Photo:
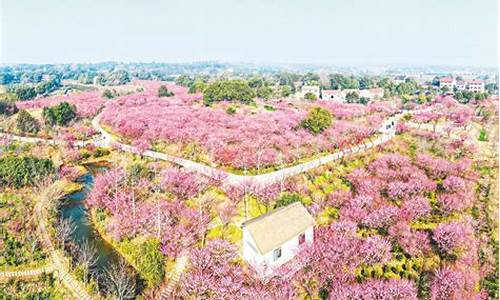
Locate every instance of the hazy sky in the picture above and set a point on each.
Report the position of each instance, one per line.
(453, 32)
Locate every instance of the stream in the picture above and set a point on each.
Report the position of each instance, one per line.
(74, 208)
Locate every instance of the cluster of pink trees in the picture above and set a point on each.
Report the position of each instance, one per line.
(152, 208)
(244, 140)
(87, 103)
(447, 110)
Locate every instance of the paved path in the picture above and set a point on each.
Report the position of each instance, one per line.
(5, 276)
(107, 139)
(235, 179)
(180, 265)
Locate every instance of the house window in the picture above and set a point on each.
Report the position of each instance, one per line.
(277, 254)
(302, 238)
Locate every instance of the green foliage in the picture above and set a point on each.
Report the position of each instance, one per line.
(117, 77)
(339, 81)
(352, 97)
(397, 268)
(228, 90)
(184, 80)
(287, 199)
(24, 92)
(108, 94)
(61, 114)
(26, 123)
(269, 107)
(317, 120)
(197, 87)
(264, 92)
(148, 259)
(164, 92)
(19, 171)
(29, 91)
(7, 108)
(310, 96)
(286, 91)
(231, 110)
(483, 135)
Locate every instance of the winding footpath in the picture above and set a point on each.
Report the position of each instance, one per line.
(108, 139)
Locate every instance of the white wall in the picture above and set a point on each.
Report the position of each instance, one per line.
(264, 264)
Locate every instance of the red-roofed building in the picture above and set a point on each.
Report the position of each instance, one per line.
(447, 82)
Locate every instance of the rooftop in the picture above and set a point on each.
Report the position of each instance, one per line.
(271, 230)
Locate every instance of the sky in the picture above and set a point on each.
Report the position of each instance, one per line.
(347, 32)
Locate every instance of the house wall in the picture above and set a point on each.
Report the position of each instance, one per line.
(264, 264)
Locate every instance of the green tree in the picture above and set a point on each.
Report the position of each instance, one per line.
(317, 120)
(352, 97)
(61, 114)
(26, 123)
(197, 87)
(164, 92)
(19, 171)
(310, 96)
(184, 80)
(108, 94)
(286, 91)
(264, 92)
(228, 90)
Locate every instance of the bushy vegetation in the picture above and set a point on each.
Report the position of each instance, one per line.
(19, 171)
(7, 108)
(26, 123)
(61, 114)
(228, 90)
(317, 120)
(310, 96)
(164, 92)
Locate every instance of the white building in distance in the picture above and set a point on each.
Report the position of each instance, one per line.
(273, 239)
(313, 89)
(339, 95)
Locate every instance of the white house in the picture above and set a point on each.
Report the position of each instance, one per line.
(460, 86)
(447, 82)
(373, 93)
(273, 239)
(475, 86)
(388, 126)
(333, 95)
(313, 89)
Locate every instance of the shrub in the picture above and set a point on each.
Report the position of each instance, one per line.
(483, 136)
(108, 94)
(269, 108)
(19, 171)
(61, 114)
(287, 199)
(317, 120)
(164, 92)
(7, 108)
(310, 96)
(26, 123)
(228, 90)
(231, 110)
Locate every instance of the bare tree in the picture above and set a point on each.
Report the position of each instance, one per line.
(64, 229)
(119, 282)
(87, 258)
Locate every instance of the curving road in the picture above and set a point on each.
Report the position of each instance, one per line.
(107, 139)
